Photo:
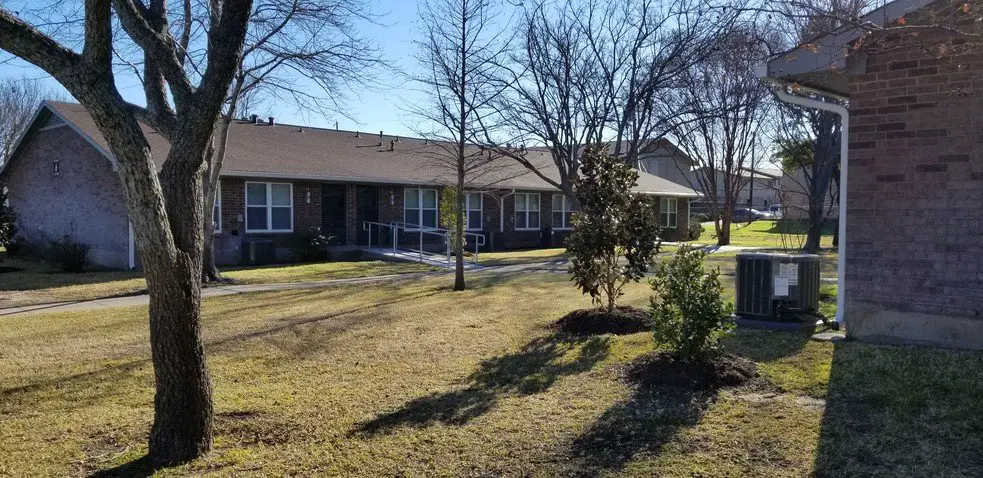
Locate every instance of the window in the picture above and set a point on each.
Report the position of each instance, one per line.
(269, 207)
(562, 211)
(217, 210)
(527, 210)
(473, 204)
(420, 207)
(667, 213)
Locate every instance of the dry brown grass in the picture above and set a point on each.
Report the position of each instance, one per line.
(412, 379)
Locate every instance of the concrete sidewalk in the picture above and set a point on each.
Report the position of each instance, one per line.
(223, 290)
(211, 291)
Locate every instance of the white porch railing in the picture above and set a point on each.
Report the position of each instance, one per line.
(410, 237)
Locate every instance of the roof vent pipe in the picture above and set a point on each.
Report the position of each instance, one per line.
(271, 121)
(336, 126)
(380, 137)
(254, 119)
(392, 145)
(358, 135)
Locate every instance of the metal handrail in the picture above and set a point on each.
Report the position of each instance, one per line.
(396, 227)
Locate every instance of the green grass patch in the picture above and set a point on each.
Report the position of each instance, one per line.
(770, 234)
(413, 379)
(526, 256)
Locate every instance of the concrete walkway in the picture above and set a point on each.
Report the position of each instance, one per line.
(211, 291)
(559, 266)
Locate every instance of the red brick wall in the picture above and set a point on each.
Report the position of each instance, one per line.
(83, 201)
(308, 215)
(914, 265)
(228, 242)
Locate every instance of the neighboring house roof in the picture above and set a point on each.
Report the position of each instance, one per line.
(304, 153)
(822, 63)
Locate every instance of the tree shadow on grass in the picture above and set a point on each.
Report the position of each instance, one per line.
(643, 423)
(532, 369)
(902, 411)
(766, 345)
(138, 468)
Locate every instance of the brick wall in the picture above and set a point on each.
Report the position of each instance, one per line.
(391, 200)
(914, 265)
(679, 233)
(84, 200)
(229, 242)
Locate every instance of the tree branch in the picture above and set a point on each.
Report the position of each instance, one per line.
(30, 44)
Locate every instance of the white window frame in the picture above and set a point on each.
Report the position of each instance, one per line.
(467, 210)
(566, 205)
(269, 206)
(515, 204)
(419, 219)
(218, 206)
(666, 213)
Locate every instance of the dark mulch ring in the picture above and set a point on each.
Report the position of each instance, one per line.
(10, 269)
(662, 368)
(624, 320)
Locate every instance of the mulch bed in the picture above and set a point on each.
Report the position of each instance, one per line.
(662, 368)
(623, 321)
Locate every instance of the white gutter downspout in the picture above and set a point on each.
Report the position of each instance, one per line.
(844, 148)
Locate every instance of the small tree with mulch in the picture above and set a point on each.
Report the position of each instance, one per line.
(615, 233)
(689, 317)
(688, 308)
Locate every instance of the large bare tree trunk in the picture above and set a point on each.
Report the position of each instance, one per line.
(165, 209)
(167, 213)
(182, 428)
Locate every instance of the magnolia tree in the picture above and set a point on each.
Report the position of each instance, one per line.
(615, 233)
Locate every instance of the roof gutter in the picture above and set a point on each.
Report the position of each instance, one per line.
(844, 150)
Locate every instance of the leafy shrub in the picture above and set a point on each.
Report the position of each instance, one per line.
(702, 217)
(71, 255)
(694, 231)
(311, 245)
(8, 221)
(16, 246)
(615, 233)
(688, 308)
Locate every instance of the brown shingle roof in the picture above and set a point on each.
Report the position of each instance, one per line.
(293, 152)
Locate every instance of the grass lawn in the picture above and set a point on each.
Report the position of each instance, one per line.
(521, 256)
(770, 234)
(415, 380)
(42, 283)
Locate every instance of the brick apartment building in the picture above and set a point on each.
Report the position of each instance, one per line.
(914, 207)
(281, 180)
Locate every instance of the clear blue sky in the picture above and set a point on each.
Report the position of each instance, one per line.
(372, 110)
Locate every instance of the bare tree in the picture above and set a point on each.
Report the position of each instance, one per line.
(165, 208)
(550, 94)
(19, 99)
(815, 173)
(729, 106)
(590, 71)
(460, 53)
(645, 50)
(290, 41)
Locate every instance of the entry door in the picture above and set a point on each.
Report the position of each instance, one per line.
(333, 212)
(366, 209)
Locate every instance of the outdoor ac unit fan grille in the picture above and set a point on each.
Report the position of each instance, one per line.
(777, 285)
